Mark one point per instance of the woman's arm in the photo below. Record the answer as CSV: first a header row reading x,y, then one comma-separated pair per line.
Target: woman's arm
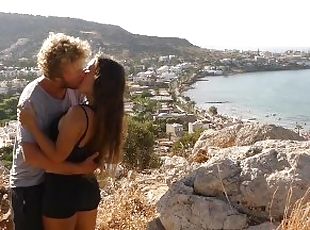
x,y
34,156
71,128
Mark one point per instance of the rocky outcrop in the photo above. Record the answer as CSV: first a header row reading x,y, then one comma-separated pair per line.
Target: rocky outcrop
x,y
263,226
239,187
244,134
143,189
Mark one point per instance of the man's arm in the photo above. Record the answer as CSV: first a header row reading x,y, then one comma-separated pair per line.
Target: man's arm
x,y
36,158
71,127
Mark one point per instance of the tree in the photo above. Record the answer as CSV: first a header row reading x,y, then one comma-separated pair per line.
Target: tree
x,y
8,106
144,107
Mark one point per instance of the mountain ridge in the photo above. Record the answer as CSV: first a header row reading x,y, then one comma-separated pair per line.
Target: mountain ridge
x,y
22,36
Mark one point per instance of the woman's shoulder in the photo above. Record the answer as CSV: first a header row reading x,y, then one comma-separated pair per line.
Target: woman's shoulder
x,y
77,113
74,119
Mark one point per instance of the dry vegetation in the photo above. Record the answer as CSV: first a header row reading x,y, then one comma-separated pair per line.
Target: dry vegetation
x,y
5,208
126,208
299,217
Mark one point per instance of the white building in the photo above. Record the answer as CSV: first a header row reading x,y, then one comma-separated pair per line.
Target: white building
x,y
166,76
175,130
184,65
193,126
163,58
162,69
176,69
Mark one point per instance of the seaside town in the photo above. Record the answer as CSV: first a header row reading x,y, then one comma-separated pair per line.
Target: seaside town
x,y
155,86
167,139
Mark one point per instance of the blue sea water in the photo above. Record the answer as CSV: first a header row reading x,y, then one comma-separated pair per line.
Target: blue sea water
x,y
278,97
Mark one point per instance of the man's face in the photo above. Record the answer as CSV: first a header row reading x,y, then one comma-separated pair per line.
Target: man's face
x,y
73,74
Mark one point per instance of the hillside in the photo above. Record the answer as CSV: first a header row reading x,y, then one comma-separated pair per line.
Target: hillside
x,y
22,36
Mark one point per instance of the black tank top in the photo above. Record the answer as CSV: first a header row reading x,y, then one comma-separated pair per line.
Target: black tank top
x,y
78,154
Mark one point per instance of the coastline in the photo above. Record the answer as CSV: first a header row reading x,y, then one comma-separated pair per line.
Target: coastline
x,y
256,118
236,72
195,78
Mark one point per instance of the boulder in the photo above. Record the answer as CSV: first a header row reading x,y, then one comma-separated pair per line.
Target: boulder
x,y
239,187
243,134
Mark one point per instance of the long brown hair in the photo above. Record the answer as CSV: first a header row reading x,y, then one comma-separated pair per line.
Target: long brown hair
x,y
108,104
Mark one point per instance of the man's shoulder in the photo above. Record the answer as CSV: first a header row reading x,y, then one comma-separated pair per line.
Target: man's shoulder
x,y
31,90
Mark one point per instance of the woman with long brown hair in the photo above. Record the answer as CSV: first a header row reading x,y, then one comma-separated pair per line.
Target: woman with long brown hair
x,y
70,201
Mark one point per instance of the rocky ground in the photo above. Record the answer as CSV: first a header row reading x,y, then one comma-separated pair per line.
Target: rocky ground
x,y
6,216
242,177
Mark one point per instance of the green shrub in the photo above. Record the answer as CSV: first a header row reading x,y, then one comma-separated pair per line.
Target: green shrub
x,y
139,145
213,110
187,141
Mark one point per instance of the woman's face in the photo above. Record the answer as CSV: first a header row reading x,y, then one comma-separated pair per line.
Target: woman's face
x,y
89,76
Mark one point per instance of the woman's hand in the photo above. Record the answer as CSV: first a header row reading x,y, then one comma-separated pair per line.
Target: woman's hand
x,y
27,117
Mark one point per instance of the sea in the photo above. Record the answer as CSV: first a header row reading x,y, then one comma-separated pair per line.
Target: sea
x,y
277,97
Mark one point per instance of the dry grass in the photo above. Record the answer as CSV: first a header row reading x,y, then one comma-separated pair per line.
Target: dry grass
x,y
200,157
299,217
126,209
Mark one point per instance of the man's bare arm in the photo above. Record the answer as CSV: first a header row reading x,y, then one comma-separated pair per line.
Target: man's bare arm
x,y
36,158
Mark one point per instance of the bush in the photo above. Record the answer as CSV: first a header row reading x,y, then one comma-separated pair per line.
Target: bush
x,y
187,141
127,208
187,98
213,110
160,128
6,156
139,145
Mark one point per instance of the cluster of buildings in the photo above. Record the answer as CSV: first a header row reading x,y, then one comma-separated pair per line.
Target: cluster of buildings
x,y
162,79
8,133
14,79
12,72
231,61
12,86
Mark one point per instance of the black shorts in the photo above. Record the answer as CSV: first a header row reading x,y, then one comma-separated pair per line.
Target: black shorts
x,y
27,207
65,195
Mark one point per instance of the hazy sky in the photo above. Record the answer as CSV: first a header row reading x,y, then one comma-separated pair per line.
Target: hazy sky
x,y
220,24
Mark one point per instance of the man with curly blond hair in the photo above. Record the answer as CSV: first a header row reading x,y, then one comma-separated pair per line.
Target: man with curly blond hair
x,y
61,60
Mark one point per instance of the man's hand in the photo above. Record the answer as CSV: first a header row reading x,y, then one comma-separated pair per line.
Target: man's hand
x,y
89,165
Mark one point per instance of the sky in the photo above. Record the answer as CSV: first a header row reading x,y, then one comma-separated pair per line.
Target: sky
x,y
219,24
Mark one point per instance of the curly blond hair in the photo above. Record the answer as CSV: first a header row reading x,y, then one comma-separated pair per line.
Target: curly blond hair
x,y
58,50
